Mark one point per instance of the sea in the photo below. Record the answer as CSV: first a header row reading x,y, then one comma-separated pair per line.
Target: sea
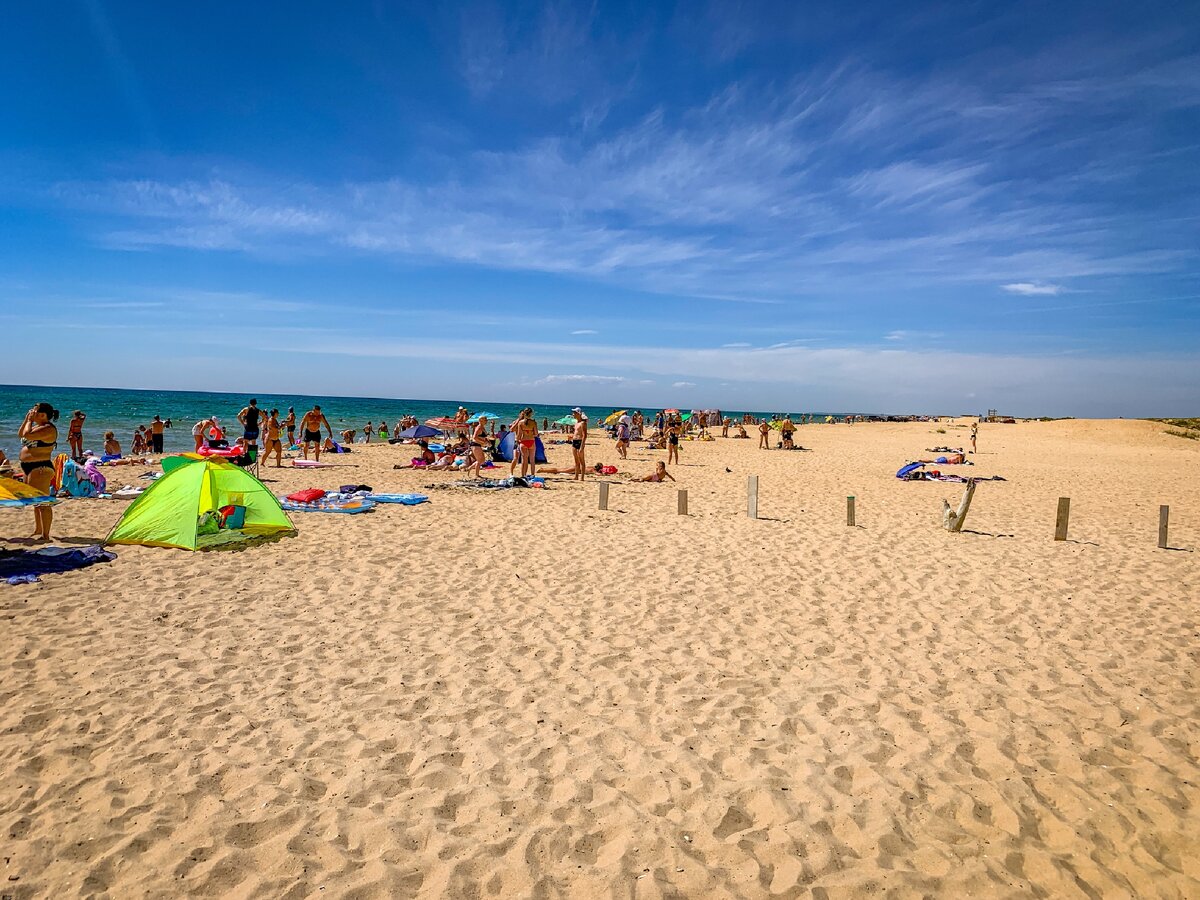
x,y
122,411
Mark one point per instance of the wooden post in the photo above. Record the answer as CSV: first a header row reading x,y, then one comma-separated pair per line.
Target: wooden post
x,y
682,502
1060,521
850,511
1164,513
752,496
604,495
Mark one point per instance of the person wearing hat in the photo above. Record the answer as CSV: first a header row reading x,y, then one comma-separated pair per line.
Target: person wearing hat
x,y
579,443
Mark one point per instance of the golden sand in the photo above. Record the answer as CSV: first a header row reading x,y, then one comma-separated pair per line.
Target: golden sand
x,y
517,695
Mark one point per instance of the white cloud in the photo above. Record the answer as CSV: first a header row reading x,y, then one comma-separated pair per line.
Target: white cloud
x,y
683,384
585,331
1032,289
737,344
579,379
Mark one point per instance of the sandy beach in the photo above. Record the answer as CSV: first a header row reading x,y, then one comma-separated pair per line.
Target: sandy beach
x,y
515,694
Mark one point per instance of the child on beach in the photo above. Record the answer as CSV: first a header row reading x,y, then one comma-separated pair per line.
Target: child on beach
x,y
660,473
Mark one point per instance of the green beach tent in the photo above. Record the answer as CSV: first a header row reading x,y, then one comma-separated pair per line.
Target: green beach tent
x,y
168,513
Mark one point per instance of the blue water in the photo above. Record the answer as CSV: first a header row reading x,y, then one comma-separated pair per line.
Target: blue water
x,y
121,411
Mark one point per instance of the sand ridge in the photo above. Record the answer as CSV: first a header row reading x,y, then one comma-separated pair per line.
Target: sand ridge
x,y
516,694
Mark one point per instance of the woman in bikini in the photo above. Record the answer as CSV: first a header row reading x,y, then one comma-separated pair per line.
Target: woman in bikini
x,y
674,427
39,436
479,440
75,434
527,432
273,442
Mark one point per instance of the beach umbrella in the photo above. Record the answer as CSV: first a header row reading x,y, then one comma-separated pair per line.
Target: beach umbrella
x,y
565,420
16,493
444,423
671,412
490,416
609,420
419,431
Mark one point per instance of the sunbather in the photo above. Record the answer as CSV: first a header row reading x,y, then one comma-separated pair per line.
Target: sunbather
x,y
660,473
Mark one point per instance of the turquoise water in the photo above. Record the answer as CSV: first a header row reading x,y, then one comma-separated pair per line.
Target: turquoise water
x,y
121,411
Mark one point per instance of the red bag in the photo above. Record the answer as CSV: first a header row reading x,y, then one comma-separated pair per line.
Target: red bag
x,y
308,495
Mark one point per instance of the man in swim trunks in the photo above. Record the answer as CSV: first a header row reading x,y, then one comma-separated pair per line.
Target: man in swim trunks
x,y
272,442
156,435
787,428
290,424
249,417
579,443
310,426
526,436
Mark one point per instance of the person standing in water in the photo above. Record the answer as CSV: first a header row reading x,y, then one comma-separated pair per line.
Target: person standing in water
x,y
156,435
75,434
39,436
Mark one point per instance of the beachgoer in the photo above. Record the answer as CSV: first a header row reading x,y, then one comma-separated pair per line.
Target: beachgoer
x,y
273,442
290,424
764,431
579,443
156,435
310,429
216,434
526,438
75,434
479,440
423,461
139,441
974,434
112,447
39,436
726,422
624,426
249,417
198,431
787,428
660,473
383,430
348,436
368,430
674,429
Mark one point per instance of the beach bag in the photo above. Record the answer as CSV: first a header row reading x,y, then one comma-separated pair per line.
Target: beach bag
x,y
308,495
232,517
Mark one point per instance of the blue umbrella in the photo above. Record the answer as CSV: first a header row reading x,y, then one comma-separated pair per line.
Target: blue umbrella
x,y
419,431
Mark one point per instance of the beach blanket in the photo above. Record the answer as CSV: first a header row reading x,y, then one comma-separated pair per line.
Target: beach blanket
x,y
492,484
406,499
25,566
327,504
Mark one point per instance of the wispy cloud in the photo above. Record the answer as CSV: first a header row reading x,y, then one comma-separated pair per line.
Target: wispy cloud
x,y
585,331
579,379
683,384
758,194
1032,289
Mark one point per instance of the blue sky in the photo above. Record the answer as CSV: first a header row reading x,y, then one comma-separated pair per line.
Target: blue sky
x,y
751,205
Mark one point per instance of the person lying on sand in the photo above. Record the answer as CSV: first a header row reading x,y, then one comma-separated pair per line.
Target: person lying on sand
x,y
598,468
952,459
660,473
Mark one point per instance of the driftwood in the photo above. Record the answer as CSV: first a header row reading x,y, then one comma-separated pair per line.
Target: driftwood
x,y
953,520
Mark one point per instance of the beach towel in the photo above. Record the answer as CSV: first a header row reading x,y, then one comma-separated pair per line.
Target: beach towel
x,y
325,505
406,499
25,566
